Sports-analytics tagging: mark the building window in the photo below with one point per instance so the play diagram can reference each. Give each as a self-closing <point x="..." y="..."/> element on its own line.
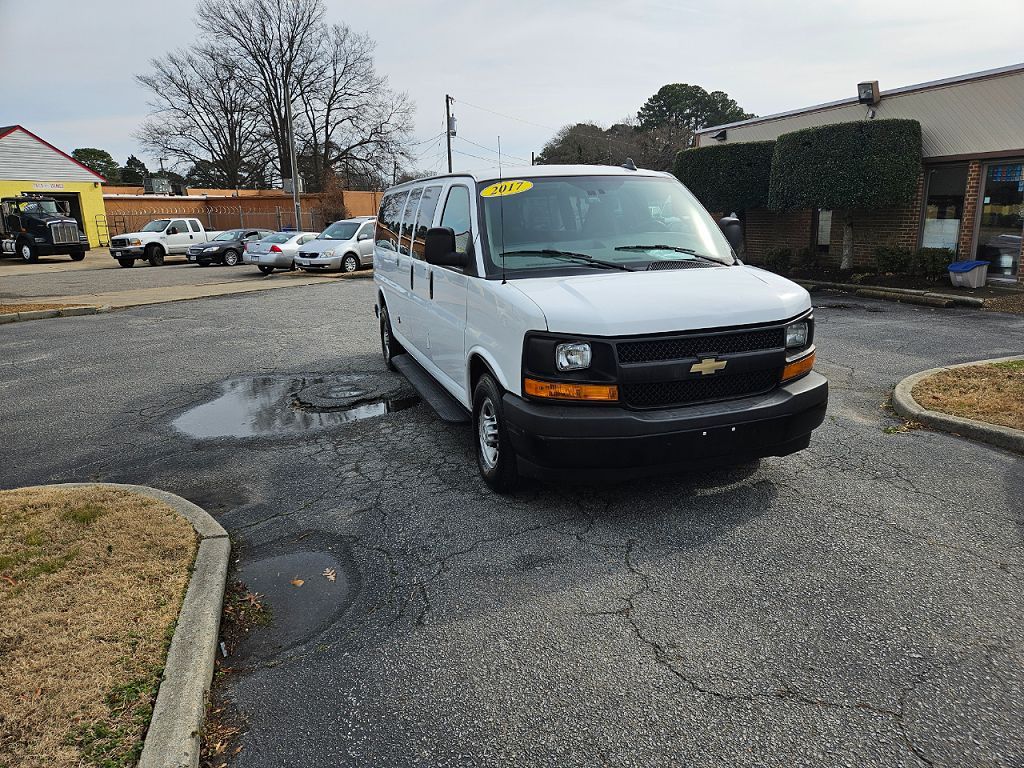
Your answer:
<point x="944" y="206"/>
<point x="824" y="228"/>
<point x="1001" y="224"/>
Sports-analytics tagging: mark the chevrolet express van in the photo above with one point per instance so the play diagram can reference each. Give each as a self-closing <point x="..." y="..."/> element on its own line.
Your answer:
<point x="591" y="318"/>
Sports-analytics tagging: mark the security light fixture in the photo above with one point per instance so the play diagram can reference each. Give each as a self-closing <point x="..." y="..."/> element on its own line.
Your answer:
<point x="719" y="135"/>
<point x="867" y="93"/>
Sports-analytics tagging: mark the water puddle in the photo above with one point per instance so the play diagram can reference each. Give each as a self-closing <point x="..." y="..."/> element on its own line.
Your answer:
<point x="304" y="592"/>
<point x="279" y="406"/>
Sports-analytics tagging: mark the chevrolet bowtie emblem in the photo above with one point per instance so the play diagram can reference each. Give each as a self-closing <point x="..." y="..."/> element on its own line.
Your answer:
<point x="708" y="365"/>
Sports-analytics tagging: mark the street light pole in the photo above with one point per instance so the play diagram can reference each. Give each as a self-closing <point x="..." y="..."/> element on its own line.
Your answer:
<point x="292" y="161"/>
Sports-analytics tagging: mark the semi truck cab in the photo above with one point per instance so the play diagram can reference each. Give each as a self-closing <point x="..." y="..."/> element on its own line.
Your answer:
<point x="34" y="225"/>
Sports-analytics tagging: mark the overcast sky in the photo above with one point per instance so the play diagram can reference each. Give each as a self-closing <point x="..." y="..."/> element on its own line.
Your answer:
<point x="68" y="65"/>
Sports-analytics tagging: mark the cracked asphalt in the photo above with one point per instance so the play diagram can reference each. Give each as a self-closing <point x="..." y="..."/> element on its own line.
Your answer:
<point x="856" y="604"/>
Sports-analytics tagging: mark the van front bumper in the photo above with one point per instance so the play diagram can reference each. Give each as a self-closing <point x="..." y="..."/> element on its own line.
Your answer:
<point x="552" y="437"/>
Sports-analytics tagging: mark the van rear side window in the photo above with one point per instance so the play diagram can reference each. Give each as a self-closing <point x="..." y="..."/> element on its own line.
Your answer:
<point x="389" y="221"/>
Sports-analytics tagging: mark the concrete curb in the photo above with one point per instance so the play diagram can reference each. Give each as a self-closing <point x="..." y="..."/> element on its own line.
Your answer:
<point x="172" y="740"/>
<point x="905" y="405"/>
<point x="44" y="314"/>
<point x="909" y="295"/>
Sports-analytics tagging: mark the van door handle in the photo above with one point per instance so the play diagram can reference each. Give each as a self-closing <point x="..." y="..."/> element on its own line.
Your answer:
<point x="431" y="284"/>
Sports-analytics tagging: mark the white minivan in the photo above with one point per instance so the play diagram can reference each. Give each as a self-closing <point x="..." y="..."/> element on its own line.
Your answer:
<point x="591" y="318"/>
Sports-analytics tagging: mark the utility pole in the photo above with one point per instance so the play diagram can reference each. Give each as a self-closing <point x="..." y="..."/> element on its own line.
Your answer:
<point x="292" y="161"/>
<point x="533" y="159"/>
<point x="449" y="125"/>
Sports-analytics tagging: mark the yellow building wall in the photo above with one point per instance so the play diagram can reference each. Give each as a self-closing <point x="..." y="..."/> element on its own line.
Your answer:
<point x="90" y="195"/>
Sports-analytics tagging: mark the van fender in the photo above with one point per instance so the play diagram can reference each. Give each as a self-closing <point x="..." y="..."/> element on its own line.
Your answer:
<point x="488" y="360"/>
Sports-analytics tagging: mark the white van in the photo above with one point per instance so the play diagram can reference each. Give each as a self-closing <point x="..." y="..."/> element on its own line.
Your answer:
<point x="591" y="318"/>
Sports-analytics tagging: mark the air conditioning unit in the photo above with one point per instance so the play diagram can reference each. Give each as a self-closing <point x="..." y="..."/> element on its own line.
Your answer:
<point x="157" y="185"/>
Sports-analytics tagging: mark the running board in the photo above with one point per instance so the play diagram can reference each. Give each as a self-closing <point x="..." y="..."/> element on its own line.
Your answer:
<point x="445" y="406"/>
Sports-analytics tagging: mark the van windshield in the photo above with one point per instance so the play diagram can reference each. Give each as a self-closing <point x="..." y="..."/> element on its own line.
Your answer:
<point x="629" y="222"/>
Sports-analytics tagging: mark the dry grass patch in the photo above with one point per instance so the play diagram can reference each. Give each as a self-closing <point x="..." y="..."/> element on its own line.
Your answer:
<point x="6" y="309"/>
<point x="993" y="393"/>
<point x="91" y="581"/>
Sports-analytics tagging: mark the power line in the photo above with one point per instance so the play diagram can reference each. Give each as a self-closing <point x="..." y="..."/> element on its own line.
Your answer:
<point x="502" y="114"/>
<point x="417" y="143"/>
<point x="514" y="157"/>
<point x="467" y="154"/>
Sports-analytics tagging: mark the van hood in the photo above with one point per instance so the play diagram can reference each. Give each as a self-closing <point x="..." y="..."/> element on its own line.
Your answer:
<point x="625" y="304"/>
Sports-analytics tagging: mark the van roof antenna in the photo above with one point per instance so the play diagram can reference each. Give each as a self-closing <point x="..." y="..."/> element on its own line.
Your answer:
<point x="629" y="165"/>
<point x="501" y="216"/>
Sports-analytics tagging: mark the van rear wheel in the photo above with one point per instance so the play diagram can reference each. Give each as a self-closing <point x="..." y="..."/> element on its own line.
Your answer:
<point x="389" y="346"/>
<point x="495" y="455"/>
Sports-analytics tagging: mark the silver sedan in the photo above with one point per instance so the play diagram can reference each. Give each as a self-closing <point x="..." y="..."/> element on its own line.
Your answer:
<point x="276" y="251"/>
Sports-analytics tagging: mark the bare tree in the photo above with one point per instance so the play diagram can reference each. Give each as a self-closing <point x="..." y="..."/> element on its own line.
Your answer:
<point x="275" y="43"/>
<point x="351" y="118"/>
<point x="203" y="115"/>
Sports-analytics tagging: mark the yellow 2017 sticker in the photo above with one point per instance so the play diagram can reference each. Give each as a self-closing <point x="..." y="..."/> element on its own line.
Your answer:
<point x="505" y="188"/>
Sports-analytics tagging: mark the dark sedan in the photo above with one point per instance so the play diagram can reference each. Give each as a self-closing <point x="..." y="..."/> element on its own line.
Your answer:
<point x="225" y="248"/>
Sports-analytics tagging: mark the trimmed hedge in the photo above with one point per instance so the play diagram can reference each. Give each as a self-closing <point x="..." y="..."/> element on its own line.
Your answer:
<point x="865" y="164"/>
<point x="727" y="177"/>
<point x="929" y="263"/>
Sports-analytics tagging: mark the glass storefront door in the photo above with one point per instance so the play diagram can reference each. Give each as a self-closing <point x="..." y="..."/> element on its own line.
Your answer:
<point x="944" y="208"/>
<point x="1002" y="219"/>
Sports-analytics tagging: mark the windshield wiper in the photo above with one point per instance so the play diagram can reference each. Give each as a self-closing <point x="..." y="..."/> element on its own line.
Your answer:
<point x="571" y="255"/>
<point x="675" y="248"/>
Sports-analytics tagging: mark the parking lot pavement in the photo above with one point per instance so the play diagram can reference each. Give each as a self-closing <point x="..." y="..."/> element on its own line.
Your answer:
<point x="859" y="603"/>
<point x="92" y="281"/>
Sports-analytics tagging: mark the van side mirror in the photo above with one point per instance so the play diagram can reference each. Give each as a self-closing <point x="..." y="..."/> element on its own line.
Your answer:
<point x="439" y="248"/>
<point x="732" y="228"/>
<point x="172" y="231"/>
<point x="365" y="236"/>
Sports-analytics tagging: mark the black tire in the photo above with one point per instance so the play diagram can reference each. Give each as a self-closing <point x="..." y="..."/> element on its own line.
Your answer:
<point x="26" y="251"/>
<point x="292" y="267"/>
<point x="126" y="263"/>
<point x="350" y="263"/>
<point x="77" y="255"/>
<point x="495" y="456"/>
<point x="264" y="269"/>
<point x="231" y="259"/>
<point x="389" y="345"/>
<point x="155" y="255"/>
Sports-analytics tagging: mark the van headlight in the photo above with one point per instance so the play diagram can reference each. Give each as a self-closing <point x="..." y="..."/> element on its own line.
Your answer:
<point x="135" y="241"/>
<point x="797" y="335"/>
<point x="325" y="254"/>
<point x="574" y="356"/>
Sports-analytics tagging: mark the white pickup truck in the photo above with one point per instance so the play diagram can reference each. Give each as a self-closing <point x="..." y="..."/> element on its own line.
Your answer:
<point x="158" y="239"/>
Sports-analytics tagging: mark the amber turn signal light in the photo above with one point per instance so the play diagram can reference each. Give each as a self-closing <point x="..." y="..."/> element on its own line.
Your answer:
<point x="562" y="390"/>
<point x="798" y="367"/>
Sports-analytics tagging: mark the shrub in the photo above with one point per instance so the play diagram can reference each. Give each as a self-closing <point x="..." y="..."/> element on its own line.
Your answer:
<point x="778" y="260"/>
<point x="892" y="260"/>
<point x="727" y="177"/>
<point x="932" y="262"/>
<point x="864" y="164"/>
<point x="808" y="259"/>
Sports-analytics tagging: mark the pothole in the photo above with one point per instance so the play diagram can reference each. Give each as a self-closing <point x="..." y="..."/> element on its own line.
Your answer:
<point x="269" y="406"/>
<point x="304" y="592"/>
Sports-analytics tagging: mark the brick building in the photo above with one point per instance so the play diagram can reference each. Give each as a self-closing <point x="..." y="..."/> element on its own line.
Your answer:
<point x="970" y="195"/>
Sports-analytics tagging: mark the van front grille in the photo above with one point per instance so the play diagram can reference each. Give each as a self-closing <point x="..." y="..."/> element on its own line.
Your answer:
<point x="664" y="394"/>
<point x="682" y="347"/>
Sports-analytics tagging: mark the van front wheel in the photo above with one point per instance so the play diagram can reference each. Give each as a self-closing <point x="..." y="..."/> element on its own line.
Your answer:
<point x="494" y="453"/>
